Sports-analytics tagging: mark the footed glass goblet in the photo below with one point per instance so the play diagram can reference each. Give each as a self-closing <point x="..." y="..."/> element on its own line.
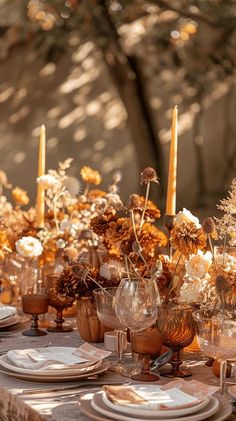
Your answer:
<point x="34" y="304"/>
<point x="177" y="327"/>
<point x="57" y="301"/>
<point x="148" y="343"/>
<point x="217" y="338"/>
<point x="105" y="304"/>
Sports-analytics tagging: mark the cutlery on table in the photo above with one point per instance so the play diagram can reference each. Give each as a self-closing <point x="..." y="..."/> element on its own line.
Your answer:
<point x="161" y="360"/>
<point x="69" y="388"/>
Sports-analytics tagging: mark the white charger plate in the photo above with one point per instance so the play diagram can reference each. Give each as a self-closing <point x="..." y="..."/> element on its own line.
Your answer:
<point x="82" y="369"/>
<point x="85" y="401"/>
<point x="163" y="413"/>
<point x="99" y="406"/>
<point x="57" y="379"/>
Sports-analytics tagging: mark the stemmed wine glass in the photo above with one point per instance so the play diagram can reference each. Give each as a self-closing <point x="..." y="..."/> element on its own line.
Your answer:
<point x="136" y="304"/>
<point x="34" y="301"/>
<point x="105" y="304"/>
<point x="57" y="301"/>
<point x="217" y="338"/>
<point x="177" y="327"/>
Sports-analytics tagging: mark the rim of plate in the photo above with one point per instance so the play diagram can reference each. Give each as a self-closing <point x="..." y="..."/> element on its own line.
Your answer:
<point x="57" y="379"/>
<point x="166" y="413"/>
<point x="10" y="321"/>
<point x="98" y="405"/>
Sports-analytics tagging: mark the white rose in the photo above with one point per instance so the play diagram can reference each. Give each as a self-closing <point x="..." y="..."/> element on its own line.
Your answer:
<point x="198" y="265"/>
<point x="190" y="293"/>
<point x="186" y="216"/>
<point x="47" y="181"/>
<point x="29" y="247"/>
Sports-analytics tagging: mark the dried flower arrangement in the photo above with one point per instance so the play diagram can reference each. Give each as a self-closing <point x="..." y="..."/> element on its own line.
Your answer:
<point x="131" y="240"/>
<point x="211" y="276"/>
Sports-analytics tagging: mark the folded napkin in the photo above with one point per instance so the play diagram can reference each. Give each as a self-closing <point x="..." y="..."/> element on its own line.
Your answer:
<point x="175" y="395"/>
<point x="34" y="359"/>
<point x="192" y="387"/>
<point x="123" y="395"/>
<point x="6" y="311"/>
<point x="57" y="357"/>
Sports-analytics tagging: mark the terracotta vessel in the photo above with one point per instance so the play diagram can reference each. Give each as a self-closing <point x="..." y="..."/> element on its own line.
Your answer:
<point x="89" y="326"/>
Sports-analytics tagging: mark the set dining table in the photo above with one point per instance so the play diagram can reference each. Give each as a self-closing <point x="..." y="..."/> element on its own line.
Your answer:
<point x="22" y="400"/>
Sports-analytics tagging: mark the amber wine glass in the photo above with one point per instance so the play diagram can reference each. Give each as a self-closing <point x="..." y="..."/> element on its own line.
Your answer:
<point x="57" y="301"/>
<point x="34" y="304"/>
<point x="176" y="324"/>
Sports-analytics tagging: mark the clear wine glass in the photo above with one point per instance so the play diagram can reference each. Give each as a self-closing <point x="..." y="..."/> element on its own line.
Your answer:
<point x="217" y="338"/>
<point x="105" y="304"/>
<point x="136" y="303"/>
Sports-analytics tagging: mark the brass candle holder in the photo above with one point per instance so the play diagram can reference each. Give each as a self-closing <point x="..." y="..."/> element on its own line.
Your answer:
<point x="169" y="223"/>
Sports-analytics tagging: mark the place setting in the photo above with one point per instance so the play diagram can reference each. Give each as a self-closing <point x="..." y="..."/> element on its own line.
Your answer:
<point x="55" y="364"/>
<point x="178" y="400"/>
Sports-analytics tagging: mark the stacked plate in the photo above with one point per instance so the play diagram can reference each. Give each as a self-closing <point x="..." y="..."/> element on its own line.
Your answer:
<point x="8" y="316"/>
<point x="100" y="407"/>
<point x="56" y="372"/>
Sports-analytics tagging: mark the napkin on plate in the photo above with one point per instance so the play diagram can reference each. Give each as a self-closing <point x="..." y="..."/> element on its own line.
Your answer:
<point x="34" y="359"/>
<point x="123" y="395"/>
<point x="53" y="357"/>
<point x="177" y="394"/>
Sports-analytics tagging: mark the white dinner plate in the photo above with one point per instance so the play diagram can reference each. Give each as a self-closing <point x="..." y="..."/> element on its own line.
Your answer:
<point x="148" y="410"/>
<point x="6" y="311"/>
<point x="10" y="321"/>
<point x="82" y="369"/>
<point x="223" y="412"/>
<point x="99" y="406"/>
<point x="57" y="379"/>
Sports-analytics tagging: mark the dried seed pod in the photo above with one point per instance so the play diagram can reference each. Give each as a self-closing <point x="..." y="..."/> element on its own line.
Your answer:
<point x="208" y="225"/>
<point x="148" y="175"/>
<point x="221" y="284"/>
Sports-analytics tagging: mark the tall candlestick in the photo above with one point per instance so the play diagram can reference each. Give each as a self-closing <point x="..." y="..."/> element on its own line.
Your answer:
<point x="41" y="171"/>
<point x="171" y="189"/>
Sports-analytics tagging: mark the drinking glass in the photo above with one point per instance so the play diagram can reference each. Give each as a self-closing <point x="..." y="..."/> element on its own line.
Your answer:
<point x="177" y="327"/>
<point x="34" y="300"/>
<point x="136" y="304"/>
<point x="148" y="343"/>
<point x="57" y="301"/>
<point x="105" y="304"/>
<point x="217" y="338"/>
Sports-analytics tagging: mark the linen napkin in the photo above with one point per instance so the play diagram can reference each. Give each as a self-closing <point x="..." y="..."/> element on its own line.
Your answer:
<point x="192" y="387"/>
<point x="123" y="395"/>
<point x="177" y="394"/>
<point x="35" y="359"/>
<point x="57" y="357"/>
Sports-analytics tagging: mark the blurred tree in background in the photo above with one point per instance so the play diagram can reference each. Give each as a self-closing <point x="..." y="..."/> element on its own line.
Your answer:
<point x="158" y="53"/>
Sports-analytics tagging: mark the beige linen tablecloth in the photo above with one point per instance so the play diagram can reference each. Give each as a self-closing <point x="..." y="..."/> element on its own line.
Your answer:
<point x="14" y="406"/>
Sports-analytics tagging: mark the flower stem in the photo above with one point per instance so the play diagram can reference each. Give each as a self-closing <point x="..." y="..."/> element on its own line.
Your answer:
<point x="145" y="205"/>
